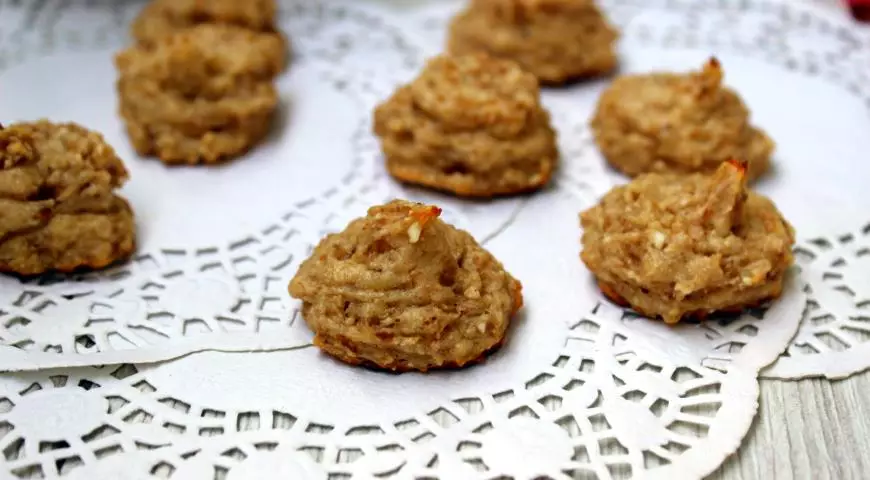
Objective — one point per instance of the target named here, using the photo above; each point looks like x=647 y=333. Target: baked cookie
x=202 y=95
x=161 y=18
x=471 y=125
x=59 y=212
x=401 y=290
x=677 y=246
x=667 y=122
x=556 y=40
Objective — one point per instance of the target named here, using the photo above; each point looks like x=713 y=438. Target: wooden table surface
x=809 y=429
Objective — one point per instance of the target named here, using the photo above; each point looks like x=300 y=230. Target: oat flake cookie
x=203 y=95
x=471 y=125
x=401 y=290
x=556 y=40
x=161 y=18
x=58 y=211
x=668 y=122
x=676 y=246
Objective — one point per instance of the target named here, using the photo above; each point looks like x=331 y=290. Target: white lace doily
x=805 y=73
x=595 y=391
x=580 y=388
x=834 y=337
x=816 y=183
x=217 y=246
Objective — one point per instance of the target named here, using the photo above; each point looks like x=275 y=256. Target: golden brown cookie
x=668 y=122
x=471 y=125
x=676 y=246
x=203 y=95
x=58 y=211
x=161 y=18
x=556 y=40
x=401 y=290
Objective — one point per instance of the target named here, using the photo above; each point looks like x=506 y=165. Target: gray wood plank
x=809 y=429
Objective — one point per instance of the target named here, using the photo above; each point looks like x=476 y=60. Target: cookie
x=471 y=125
x=162 y=18
x=557 y=40
x=401 y=290
x=203 y=95
x=681 y=123
x=59 y=212
x=676 y=246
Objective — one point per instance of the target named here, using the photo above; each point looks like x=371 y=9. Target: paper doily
x=607 y=393
x=834 y=337
x=816 y=184
x=217 y=246
x=581 y=387
x=774 y=53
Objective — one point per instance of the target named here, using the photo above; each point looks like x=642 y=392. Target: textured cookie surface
x=59 y=212
x=161 y=18
x=667 y=122
x=674 y=246
x=203 y=95
x=556 y=40
x=401 y=290
x=471 y=125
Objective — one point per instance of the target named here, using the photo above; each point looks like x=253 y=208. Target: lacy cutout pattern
x=624 y=395
x=805 y=43
x=175 y=299
x=833 y=337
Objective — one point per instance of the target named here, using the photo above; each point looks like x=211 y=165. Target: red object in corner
x=860 y=9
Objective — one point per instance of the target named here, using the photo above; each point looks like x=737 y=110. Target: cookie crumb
x=658 y=239
x=414 y=232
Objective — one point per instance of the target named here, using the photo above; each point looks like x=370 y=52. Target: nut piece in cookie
x=471 y=125
x=58 y=211
x=676 y=246
x=556 y=40
x=400 y=289
x=161 y=18
x=682 y=123
x=203 y=95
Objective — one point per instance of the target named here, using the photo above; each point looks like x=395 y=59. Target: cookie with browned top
x=681 y=123
x=675 y=246
x=401 y=290
x=161 y=18
x=59 y=209
x=471 y=125
x=203 y=95
x=556 y=40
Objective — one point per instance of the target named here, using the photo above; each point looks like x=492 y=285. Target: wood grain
x=809 y=429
